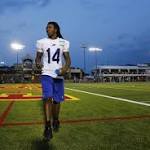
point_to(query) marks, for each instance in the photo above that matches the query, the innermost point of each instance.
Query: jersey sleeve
(39, 46)
(66, 46)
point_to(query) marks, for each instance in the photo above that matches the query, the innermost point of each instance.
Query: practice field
(104, 116)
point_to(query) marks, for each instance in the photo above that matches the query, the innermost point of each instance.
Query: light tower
(83, 46)
(96, 50)
(17, 47)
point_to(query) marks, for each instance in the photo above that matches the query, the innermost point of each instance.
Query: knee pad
(46, 99)
(54, 102)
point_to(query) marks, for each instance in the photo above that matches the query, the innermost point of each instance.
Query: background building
(127, 73)
(28, 72)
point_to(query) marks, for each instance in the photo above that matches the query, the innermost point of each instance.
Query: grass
(109, 134)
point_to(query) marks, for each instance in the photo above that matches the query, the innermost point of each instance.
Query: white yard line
(110, 97)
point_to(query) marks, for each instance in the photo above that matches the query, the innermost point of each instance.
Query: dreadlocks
(56, 26)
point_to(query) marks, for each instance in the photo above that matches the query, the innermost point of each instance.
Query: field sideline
(105, 116)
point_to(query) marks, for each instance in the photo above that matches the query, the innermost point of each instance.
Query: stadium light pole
(95, 49)
(17, 47)
(83, 46)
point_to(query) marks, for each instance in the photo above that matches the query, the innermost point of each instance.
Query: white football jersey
(52, 50)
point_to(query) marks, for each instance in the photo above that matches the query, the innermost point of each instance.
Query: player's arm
(67, 63)
(38, 59)
(39, 54)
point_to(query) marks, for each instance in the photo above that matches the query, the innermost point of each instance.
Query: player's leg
(58, 98)
(47, 90)
(47, 107)
(56, 110)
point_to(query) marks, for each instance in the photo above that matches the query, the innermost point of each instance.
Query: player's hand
(38, 65)
(63, 71)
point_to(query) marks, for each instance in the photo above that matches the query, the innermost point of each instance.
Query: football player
(51, 51)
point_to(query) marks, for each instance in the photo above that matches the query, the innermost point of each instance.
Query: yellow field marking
(28, 94)
(30, 88)
(72, 97)
(18, 100)
(4, 95)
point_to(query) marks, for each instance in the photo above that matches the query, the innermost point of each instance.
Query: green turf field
(104, 116)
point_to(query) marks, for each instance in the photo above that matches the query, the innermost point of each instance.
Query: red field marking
(14, 97)
(21, 87)
(2, 87)
(78, 121)
(5, 113)
(18, 96)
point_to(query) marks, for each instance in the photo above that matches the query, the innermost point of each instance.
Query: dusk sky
(120, 27)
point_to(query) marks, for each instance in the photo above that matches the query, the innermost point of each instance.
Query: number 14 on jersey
(55, 57)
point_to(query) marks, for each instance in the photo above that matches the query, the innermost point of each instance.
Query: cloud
(131, 44)
(19, 4)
